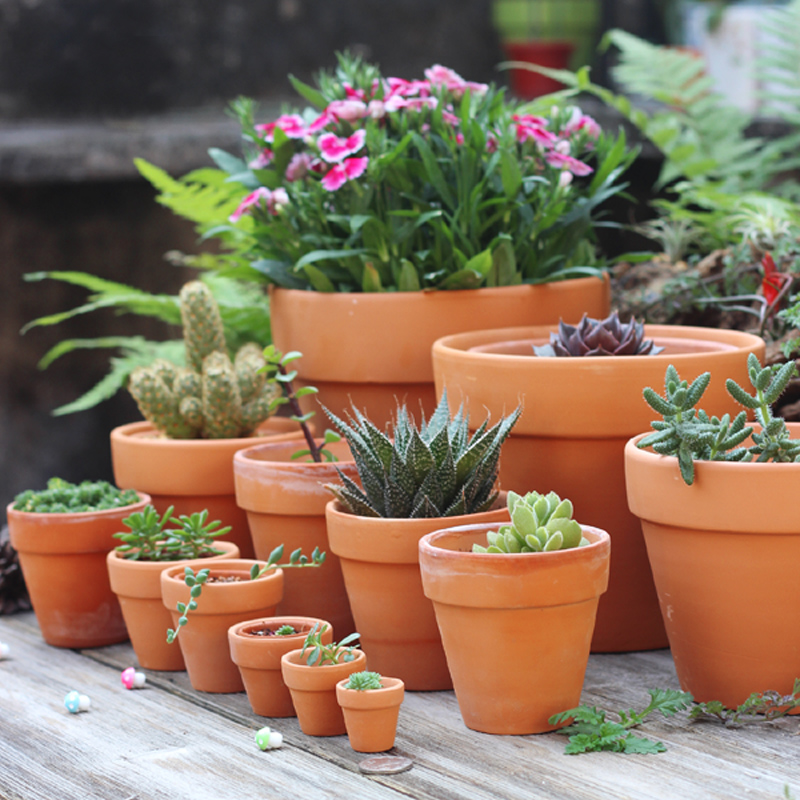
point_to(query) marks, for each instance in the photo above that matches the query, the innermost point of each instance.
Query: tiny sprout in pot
(364, 681)
(539, 523)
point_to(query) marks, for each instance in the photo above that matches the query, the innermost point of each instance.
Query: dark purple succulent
(599, 337)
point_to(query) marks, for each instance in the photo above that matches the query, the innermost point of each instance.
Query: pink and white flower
(262, 197)
(396, 102)
(291, 124)
(376, 109)
(578, 122)
(573, 165)
(348, 170)
(334, 148)
(262, 160)
(453, 82)
(298, 167)
(320, 123)
(536, 133)
(347, 110)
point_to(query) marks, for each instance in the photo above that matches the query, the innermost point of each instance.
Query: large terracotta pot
(204, 639)
(285, 503)
(63, 561)
(380, 563)
(516, 627)
(259, 659)
(380, 352)
(313, 691)
(724, 553)
(190, 474)
(578, 413)
(137, 585)
(371, 716)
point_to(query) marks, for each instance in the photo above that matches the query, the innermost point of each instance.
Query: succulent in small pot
(63, 497)
(599, 337)
(371, 705)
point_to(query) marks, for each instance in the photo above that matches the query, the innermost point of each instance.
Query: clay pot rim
(144, 499)
(114, 556)
(249, 456)
(137, 434)
(292, 658)
(393, 684)
(241, 629)
(237, 566)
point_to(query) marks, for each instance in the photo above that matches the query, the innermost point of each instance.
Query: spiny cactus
(599, 337)
(539, 523)
(435, 470)
(212, 397)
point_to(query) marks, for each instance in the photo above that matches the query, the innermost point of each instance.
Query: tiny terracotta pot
(371, 716)
(285, 502)
(204, 639)
(259, 660)
(63, 561)
(137, 585)
(516, 627)
(374, 379)
(313, 691)
(724, 553)
(380, 563)
(190, 474)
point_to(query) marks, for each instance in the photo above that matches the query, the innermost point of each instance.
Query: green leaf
(318, 279)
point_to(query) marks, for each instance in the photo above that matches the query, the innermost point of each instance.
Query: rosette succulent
(599, 337)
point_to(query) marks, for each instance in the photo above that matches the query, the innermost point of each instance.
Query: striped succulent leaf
(434, 470)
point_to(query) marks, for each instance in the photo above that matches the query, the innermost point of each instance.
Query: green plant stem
(297, 414)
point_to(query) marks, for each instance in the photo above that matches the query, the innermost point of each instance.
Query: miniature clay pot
(259, 659)
(371, 716)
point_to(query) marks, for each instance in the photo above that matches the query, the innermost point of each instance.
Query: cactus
(212, 397)
(539, 524)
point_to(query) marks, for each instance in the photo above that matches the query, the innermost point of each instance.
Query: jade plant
(434, 470)
(196, 581)
(317, 653)
(63, 497)
(214, 396)
(149, 539)
(690, 434)
(540, 523)
(599, 337)
(364, 681)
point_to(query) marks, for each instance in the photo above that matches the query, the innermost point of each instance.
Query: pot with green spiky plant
(198, 416)
(717, 501)
(412, 482)
(581, 391)
(527, 593)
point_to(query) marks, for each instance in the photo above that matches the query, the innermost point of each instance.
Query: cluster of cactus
(61, 497)
(436, 470)
(691, 434)
(213, 397)
(540, 523)
(599, 337)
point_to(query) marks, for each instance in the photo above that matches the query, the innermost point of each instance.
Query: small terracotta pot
(344, 370)
(516, 627)
(724, 553)
(313, 691)
(380, 563)
(371, 716)
(259, 660)
(137, 585)
(63, 561)
(190, 474)
(571, 438)
(204, 639)
(285, 502)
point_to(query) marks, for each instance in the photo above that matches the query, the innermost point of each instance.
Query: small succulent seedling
(539, 523)
(63, 497)
(320, 654)
(150, 540)
(599, 337)
(690, 434)
(196, 581)
(364, 681)
(285, 630)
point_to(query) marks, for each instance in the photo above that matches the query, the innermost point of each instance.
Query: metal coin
(385, 765)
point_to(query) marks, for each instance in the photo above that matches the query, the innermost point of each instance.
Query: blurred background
(88, 85)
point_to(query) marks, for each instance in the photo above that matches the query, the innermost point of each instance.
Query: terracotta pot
(63, 561)
(204, 639)
(137, 585)
(516, 628)
(380, 563)
(259, 660)
(371, 716)
(190, 474)
(527, 84)
(724, 553)
(578, 414)
(344, 367)
(285, 503)
(313, 691)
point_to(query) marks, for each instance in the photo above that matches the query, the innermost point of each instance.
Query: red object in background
(773, 281)
(553, 54)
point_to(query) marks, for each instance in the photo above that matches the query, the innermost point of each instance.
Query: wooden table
(168, 741)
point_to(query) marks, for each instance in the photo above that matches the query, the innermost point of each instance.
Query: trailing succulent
(599, 337)
(690, 434)
(62, 497)
(436, 470)
(539, 523)
(213, 397)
